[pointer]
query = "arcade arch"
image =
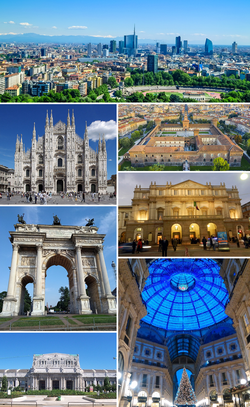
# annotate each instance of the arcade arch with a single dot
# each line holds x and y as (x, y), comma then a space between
(194, 231)
(211, 229)
(176, 232)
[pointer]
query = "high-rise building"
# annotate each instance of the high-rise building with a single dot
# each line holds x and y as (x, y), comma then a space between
(153, 63)
(105, 52)
(121, 47)
(112, 47)
(178, 44)
(209, 49)
(99, 49)
(185, 46)
(163, 49)
(105, 46)
(234, 47)
(43, 52)
(174, 50)
(131, 44)
(89, 49)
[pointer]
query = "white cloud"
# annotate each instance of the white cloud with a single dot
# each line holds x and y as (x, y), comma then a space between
(77, 27)
(160, 34)
(26, 24)
(108, 160)
(141, 31)
(203, 35)
(11, 33)
(54, 27)
(102, 36)
(109, 129)
(11, 22)
(107, 222)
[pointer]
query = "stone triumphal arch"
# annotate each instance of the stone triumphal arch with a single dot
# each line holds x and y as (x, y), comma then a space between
(79, 249)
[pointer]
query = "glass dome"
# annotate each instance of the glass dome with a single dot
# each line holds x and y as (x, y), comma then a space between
(184, 294)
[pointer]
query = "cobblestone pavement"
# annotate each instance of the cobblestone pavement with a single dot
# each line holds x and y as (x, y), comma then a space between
(192, 251)
(57, 200)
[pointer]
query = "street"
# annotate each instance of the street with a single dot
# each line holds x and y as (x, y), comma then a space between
(57, 200)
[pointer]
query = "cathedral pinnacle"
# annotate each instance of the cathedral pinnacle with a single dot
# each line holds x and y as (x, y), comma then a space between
(103, 144)
(51, 119)
(68, 119)
(34, 131)
(47, 119)
(73, 118)
(99, 144)
(86, 132)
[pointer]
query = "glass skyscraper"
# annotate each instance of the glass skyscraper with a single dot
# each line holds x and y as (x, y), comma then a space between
(209, 49)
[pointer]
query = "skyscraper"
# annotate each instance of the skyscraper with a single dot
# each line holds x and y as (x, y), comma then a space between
(89, 49)
(163, 49)
(234, 47)
(153, 63)
(99, 49)
(112, 47)
(131, 44)
(185, 46)
(43, 52)
(178, 44)
(121, 47)
(209, 47)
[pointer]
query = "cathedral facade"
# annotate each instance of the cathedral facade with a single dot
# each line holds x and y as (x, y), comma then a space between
(60, 161)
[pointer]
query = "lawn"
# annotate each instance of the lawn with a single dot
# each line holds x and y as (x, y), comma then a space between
(44, 321)
(100, 319)
(123, 151)
(2, 320)
(70, 321)
(127, 164)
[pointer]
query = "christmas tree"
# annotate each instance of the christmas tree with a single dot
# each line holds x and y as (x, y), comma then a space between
(185, 395)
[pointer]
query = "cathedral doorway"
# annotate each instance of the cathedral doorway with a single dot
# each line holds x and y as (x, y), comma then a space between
(40, 187)
(27, 188)
(59, 185)
(79, 188)
(93, 188)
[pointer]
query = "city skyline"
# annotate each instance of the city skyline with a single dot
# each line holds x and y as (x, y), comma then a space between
(18, 20)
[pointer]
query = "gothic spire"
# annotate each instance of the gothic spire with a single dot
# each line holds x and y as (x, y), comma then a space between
(68, 119)
(34, 131)
(47, 119)
(86, 132)
(73, 118)
(99, 144)
(17, 143)
(51, 119)
(103, 144)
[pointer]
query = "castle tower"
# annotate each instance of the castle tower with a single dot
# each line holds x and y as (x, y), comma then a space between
(185, 122)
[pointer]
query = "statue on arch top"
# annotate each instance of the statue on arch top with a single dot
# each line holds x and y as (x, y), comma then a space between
(20, 219)
(90, 222)
(56, 220)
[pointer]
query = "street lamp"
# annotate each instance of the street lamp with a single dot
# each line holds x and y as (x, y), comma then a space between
(133, 384)
(243, 381)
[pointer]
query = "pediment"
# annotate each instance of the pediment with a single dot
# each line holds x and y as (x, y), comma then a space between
(59, 127)
(189, 185)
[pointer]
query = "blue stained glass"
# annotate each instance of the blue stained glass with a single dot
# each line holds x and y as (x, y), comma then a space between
(184, 294)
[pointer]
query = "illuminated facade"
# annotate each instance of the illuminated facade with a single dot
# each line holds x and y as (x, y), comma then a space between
(171, 211)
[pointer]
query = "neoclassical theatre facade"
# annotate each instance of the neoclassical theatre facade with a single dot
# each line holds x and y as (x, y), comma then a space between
(183, 211)
(60, 161)
(79, 249)
(56, 371)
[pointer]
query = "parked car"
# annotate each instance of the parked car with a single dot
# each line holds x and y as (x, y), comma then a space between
(127, 248)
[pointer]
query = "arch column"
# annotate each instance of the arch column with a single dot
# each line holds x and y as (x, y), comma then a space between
(83, 299)
(9, 303)
(108, 300)
(38, 299)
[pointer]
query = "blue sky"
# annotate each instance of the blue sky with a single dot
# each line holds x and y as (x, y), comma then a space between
(19, 119)
(105, 219)
(95, 350)
(222, 21)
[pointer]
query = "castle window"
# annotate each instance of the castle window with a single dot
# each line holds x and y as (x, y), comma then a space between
(59, 162)
(79, 173)
(219, 212)
(93, 172)
(60, 143)
(40, 173)
(79, 160)
(27, 173)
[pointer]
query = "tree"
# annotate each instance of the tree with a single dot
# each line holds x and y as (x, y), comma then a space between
(107, 385)
(27, 301)
(156, 167)
(238, 138)
(220, 164)
(112, 82)
(63, 303)
(185, 394)
(125, 142)
(4, 383)
(2, 296)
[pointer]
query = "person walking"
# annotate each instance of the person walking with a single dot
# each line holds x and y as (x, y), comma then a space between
(204, 241)
(165, 247)
(174, 244)
(133, 246)
(139, 246)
